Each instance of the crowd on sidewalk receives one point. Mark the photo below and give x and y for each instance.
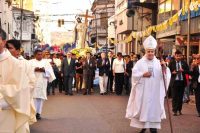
(25, 84)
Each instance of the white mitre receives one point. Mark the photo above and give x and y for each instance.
(150, 43)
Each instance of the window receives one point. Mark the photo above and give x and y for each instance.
(165, 6)
(103, 18)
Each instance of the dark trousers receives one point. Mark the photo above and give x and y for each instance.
(79, 81)
(127, 84)
(119, 82)
(68, 84)
(88, 80)
(60, 83)
(177, 95)
(110, 82)
(197, 97)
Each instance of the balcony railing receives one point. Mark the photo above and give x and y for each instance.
(171, 30)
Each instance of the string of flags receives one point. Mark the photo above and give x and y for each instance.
(194, 6)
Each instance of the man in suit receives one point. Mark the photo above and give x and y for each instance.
(110, 74)
(89, 67)
(68, 72)
(178, 69)
(195, 72)
(103, 65)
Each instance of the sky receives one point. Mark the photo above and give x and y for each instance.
(50, 11)
(67, 7)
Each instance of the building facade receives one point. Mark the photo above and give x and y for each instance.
(102, 10)
(175, 36)
(6, 17)
(140, 17)
(26, 33)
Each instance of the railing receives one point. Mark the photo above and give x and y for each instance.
(171, 30)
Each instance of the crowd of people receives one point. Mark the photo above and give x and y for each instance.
(34, 79)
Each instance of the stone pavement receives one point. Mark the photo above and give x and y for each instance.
(101, 114)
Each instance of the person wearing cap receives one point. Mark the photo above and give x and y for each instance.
(146, 102)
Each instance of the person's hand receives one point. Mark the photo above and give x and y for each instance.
(61, 74)
(37, 69)
(42, 69)
(147, 74)
(181, 70)
(126, 73)
(163, 63)
(174, 72)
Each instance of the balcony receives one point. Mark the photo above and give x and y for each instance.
(101, 31)
(194, 28)
(171, 30)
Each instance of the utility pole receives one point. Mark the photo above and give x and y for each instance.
(188, 34)
(96, 31)
(106, 27)
(21, 22)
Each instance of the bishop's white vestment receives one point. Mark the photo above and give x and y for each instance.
(146, 102)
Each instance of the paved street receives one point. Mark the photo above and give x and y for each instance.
(101, 114)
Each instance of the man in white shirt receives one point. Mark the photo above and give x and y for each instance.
(44, 73)
(118, 72)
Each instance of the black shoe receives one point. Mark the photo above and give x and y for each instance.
(38, 117)
(198, 115)
(105, 93)
(175, 114)
(71, 94)
(153, 130)
(101, 93)
(85, 93)
(66, 93)
(180, 113)
(143, 131)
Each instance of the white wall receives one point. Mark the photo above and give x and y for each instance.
(6, 17)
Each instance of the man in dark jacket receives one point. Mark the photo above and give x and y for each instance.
(68, 72)
(103, 65)
(196, 82)
(178, 69)
(89, 66)
(110, 75)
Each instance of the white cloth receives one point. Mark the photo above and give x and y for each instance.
(2, 54)
(13, 89)
(118, 66)
(4, 105)
(146, 102)
(150, 43)
(38, 105)
(103, 81)
(42, 78)
(57, 62)
(199, 75)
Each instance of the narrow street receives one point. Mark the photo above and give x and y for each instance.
(101, 114)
